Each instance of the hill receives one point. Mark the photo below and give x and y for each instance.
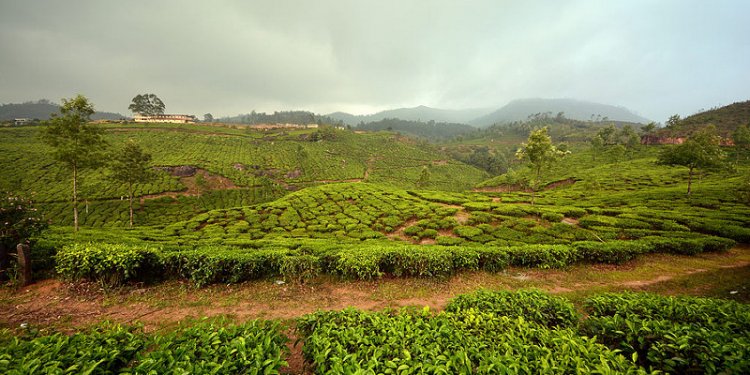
(203, 167)
(726, 119)
(420, 113)
(283, 117)
(430, 130)
(42, 109)
(522, 109)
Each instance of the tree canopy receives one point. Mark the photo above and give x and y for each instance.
(540, 153)
(130, 167)
(76, 144)
(700, 151)
(147, 104)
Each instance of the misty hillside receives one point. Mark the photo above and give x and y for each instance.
(726, 119)
(421, 113)
(521, 109)
(429, 130)
(42, 109)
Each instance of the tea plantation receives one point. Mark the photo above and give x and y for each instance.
(485, 332)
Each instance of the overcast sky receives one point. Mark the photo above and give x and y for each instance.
(655, 57)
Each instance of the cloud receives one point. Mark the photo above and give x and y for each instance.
(227, 57)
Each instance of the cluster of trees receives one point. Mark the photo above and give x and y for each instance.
(492, 161)
(283, 117)
(78, 145)
(560, 127)
(614, 142)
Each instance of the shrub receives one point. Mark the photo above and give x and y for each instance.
(610, 252)
(532, 305)
(110, 264)
(300, 268)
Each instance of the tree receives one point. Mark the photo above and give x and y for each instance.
(19, 221)
(208, 117)
(741, 139)
(147, 104)
(77, 145)
(647, 129)
(540, 153)
(130, 167)
(424, 178)
(699, 151)
(673, 123)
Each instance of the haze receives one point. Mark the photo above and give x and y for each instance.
(228, 57)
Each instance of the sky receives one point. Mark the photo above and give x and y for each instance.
(656, 57)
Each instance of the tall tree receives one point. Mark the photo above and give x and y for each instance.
(700, 151)
(130, 167)
(208, 117)
(77, 145)
(540, 153)
(147, 104)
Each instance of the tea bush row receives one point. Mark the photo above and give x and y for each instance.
(468, 342)
(207, 264)
(207, 347)
(532, 332)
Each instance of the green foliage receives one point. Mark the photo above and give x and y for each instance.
(105, 349)
(470, 341)
(130, 167)
(213, 347)
(205, 347)
(76, 145)
(110, 264)
(147, 104)
(673, 334)
(700, 151)
(20, 220)
(533, 306)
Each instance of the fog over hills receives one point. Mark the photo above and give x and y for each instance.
(42, 109)
(420, 113)
(516, 110)
(520, 109)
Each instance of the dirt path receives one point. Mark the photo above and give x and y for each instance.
(67, 306)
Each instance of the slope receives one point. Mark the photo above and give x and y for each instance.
(521, 109)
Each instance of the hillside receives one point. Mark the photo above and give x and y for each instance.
(726, 119)
(429, 130)
(420, 113)
(521, 109)
(203, 167)
(42, 109)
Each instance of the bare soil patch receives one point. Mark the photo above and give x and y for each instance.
(200, 182)
(71, 305)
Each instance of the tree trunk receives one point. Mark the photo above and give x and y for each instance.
(130, 202)
(4, 261)
(690, 180)
(75, 199)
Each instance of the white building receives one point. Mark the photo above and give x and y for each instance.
(175, 119)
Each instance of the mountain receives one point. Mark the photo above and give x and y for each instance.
(42, 109)
(421, 113)
(521, 109)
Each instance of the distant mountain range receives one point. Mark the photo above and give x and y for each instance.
(519, 110)
(42, 109)
(516, 110)
(421, 113)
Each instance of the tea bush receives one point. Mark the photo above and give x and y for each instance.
(533, 306)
